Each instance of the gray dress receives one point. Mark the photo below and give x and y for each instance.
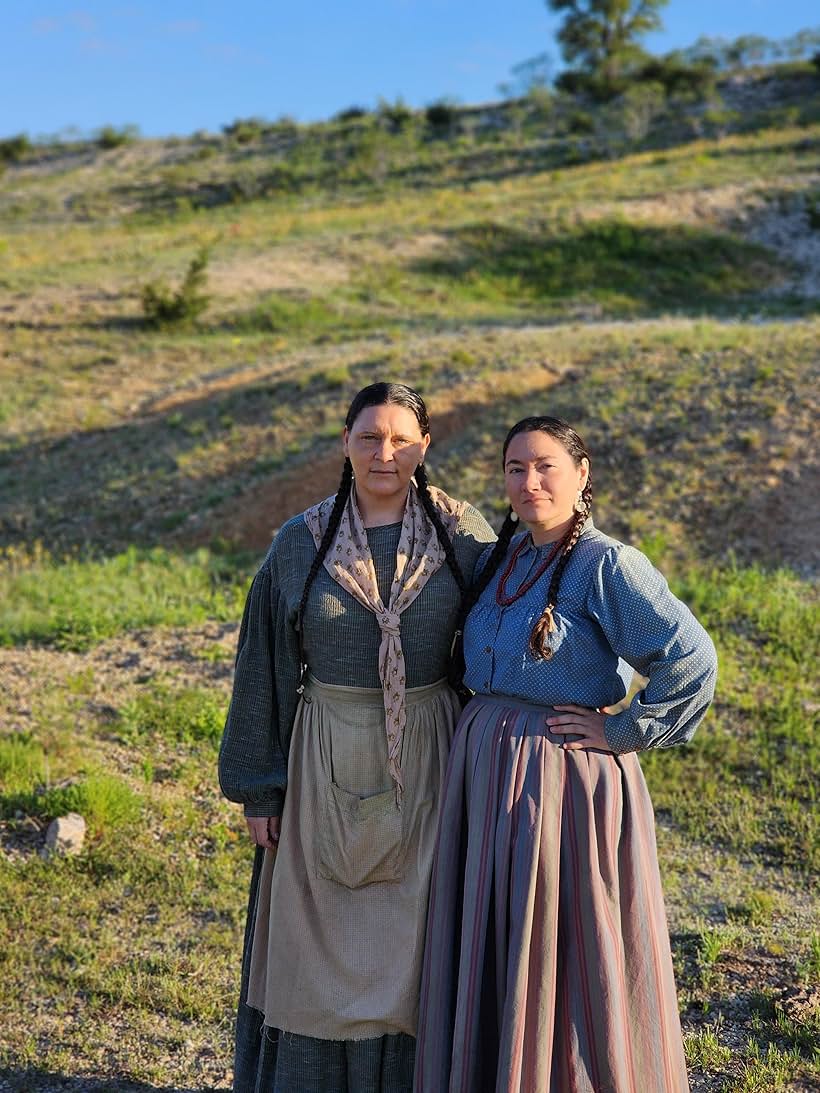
(341, 643)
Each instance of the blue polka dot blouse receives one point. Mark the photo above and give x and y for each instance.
(614, 613)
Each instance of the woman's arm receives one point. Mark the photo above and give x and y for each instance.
(660, 638)
(252, 762)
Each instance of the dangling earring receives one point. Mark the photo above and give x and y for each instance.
(580, 504)
(513, 516)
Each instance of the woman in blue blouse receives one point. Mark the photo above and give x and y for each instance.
(547, 965)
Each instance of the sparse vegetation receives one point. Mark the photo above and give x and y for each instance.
(13, 149)
(112, 137)
(500, 265)
(164, 306)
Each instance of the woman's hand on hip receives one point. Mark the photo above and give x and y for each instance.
(582, 721)
(264, 830)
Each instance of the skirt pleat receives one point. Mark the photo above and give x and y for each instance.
(547, 964)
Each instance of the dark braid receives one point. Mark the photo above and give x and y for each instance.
(455, 669)
(342, 495)
(422, 488)
(539, 638)
(568, 438)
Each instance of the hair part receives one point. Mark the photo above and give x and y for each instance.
(389, 394)
(555, 427)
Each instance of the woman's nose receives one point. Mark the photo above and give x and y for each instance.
(384, 450)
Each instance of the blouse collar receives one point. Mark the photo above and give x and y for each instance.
(540, 551)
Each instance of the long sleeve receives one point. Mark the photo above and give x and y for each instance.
(661, 639)
(474, 533)
(252, 758)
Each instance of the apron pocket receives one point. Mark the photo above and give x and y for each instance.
(360, 838)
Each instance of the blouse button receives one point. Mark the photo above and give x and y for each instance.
(488, 649)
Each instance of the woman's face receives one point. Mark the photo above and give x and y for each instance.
(542, 482)
(385, 445)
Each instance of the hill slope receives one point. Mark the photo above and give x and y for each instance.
(665, 302)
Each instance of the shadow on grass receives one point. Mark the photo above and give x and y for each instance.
(40, 1081)
(629, 269)
(104, 490)
(234, 464)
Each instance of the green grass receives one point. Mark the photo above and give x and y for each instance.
(482, 269)
(75, 602)
(185, 716)
(627, 268)
(745, 783)
(22, 763)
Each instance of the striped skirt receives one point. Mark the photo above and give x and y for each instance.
(547, 966)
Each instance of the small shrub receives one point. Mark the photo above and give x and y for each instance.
(351, 113)
(163, 306)
(581, 122)
(397, 116)
(245, 130)
(441, 117)
(284, 126)
(13, 149)
(104, 801)
(111, 137)
(680, 78)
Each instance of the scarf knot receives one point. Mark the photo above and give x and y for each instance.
(418, 556)
(390, 623)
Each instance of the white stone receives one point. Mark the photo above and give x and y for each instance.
(66, 834)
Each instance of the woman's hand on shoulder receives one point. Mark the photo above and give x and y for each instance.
(264, 830)
(584, 722)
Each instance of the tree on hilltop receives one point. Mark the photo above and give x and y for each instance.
(600, 41)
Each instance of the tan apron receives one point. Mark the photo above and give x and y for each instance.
(339, 934)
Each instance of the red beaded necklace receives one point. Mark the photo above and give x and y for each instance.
(501, 598)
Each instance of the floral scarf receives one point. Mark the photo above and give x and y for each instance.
(418, 556)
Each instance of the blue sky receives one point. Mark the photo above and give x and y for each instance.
(175, 67)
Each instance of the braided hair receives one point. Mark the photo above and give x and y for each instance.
(456, 666)
(539, 643)
(377, 394)
(422, 488)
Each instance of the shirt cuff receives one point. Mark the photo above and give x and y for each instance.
(623, 734)
(273, 806)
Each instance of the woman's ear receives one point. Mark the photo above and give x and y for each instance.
(584, 469)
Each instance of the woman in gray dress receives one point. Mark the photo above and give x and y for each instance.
(547, 964)
(336, 744)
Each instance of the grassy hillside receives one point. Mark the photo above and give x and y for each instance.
(665, 302)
